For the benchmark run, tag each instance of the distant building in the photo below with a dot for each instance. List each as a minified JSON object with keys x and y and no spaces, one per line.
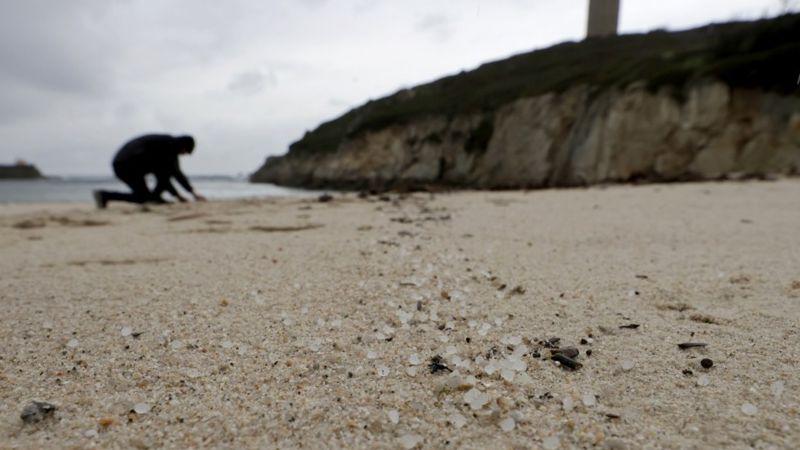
{"x":603,"y":18}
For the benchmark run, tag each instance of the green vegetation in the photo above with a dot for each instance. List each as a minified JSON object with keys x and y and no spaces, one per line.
{"x":763,"y":54}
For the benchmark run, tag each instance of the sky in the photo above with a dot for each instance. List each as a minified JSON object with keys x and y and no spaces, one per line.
{"x":246,"y":78}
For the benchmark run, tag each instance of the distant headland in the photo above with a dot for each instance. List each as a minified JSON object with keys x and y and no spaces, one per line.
{"x":20,"y":170}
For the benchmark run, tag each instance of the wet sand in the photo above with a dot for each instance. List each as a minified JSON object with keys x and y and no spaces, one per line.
{"x":291,"y":323}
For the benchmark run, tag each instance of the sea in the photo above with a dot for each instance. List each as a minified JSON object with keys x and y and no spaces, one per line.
{"x":78,"y":189}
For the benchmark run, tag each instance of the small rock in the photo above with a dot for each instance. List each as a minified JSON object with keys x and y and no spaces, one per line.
{"x":551,"y":443}
{"x":777,"y":389}
{"x":749,"y":409}
{"x":383,"y":371}
{"x":707,"y":363}
{"x":394,"y":416}
{"x":414,"y":360}
{"x":589,"y":400}
{"x":126,"y":331}
{"x":688,"y":345}
{"x":569,"y":352}
{"x":325,"y":198}
{"x":73,"y":343}
{"x":476,"y":399}
{"x":627,"y":365}
{"x":703,"y":380}
{"x":409,"y":441}
{"x":457,"y":420}
{"x":35,"y":412}
{"x":566,"y":362}
{"x":507,"y":424}
{"x":90,"y":433}
{"x":141,"y":408}
{"x":567,"y":403}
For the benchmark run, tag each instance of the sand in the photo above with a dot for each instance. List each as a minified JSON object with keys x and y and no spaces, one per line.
{"x":290,"y":323}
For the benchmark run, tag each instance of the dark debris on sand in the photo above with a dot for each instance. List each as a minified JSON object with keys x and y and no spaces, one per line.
{"x":36,"y":412}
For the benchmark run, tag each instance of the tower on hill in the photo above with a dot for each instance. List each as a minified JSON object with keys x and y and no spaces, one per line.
{"x":603,"y":18}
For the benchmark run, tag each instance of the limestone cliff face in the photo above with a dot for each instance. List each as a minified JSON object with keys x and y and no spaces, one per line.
{"x":577,"y":137}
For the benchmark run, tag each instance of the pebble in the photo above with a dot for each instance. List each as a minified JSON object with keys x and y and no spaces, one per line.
{"x":90,"y":433}
{"x":589,"y":400}
{"x":394,"y":416}
{"x":457,"y":420}
{"x":141,"y":408}
{"x":706,"y":363}
{"x":567,"y":403}
{"x":372,"y":355}
{"x":627,"y":365}
{"x":73,"y":343}
{"x":409,"y":441}
{"x":414,"y":360}
{"x":476,"y":399}
{"x":227,"y":344}
{"x":703,"y":380}
{"x":383,"y":371}
{"x":193,"y":373}
{"x":412,"y":371}
{"x":777,"y":389}
{"x":507,"y":424}
{"x":749,"y":409}
{"x":551,"y":443}
{"x":176,"y":345}
{"x":126,"y":331}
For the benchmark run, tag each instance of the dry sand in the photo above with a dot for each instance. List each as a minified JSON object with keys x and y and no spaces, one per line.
{"x":291,"y":323}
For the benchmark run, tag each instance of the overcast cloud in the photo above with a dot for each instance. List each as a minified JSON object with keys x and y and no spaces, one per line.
{"x":246,"y":77}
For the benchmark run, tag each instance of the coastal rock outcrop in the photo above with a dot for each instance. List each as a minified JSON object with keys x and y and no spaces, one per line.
{"x":569,"y":139}
{"x":733,"y":115}
{"x":19,"y":170}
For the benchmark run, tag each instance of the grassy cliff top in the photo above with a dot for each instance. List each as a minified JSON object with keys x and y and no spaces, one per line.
{"x":764,"y":54}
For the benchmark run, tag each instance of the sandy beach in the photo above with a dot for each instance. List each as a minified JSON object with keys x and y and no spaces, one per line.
{"x":423,"y":321}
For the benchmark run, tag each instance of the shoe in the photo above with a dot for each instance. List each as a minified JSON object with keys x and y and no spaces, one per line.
{"x":99,"y":199}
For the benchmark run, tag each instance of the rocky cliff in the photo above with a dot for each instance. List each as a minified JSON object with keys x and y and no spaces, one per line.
{"x":703,"y":104}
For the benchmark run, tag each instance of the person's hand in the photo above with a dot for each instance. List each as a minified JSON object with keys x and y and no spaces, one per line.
{"x":182,"y":199}
{"x":199,"y":198}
